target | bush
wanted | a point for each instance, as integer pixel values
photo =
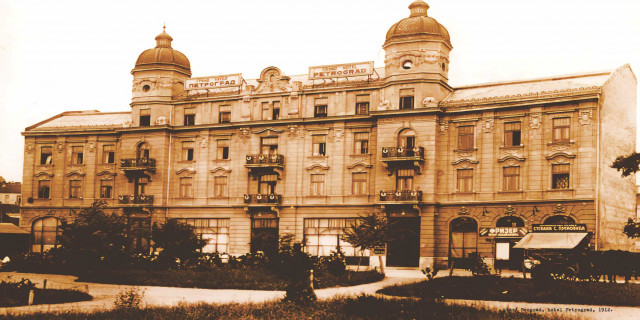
(430, 274)
(180, 245)
(129, 299)
(477, 266)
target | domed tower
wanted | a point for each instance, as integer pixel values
(158, 75)
(417, 57)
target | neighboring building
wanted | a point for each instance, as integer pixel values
(247, 160)
(10, 193)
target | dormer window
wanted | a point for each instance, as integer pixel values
(189, 116)
(362, 104)
(320, 110)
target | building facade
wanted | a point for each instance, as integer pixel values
(247, 160)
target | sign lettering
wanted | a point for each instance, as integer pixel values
(223, 81)
(503, 232)
(341, 70)
(559, 228)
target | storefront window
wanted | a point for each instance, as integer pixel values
(45, 231)
(215, 231)
(323, 236)
(509, 222)
(463, 237)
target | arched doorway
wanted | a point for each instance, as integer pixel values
(506, 257)
(45, 232)
(142, 151)
(463, 239)
(406, 141)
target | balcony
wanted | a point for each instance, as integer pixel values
(401, 196)
(265, 200)
(264, 161)
(402, 154)
(144, 164)
(132, 199)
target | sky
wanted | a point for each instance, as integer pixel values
(64, 55)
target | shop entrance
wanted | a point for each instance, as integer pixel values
(403, 249)
(264, 235)
(507, 257)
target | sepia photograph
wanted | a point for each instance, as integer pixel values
(362, 159)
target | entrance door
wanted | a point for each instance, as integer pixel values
(264, 235)
(508, 258)
(403, 249)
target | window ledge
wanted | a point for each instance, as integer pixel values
(510, 191)
(465, 150)
(218, 198)
(186, 161)
(217, 160)
(108, 164)
(318, 157)
(316, 196)
(564, 143)
(465, 192)
(560, 190)
(512, 147)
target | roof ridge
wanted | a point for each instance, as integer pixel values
(551, 78)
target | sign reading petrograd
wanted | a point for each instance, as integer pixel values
(559, 228)
(341, 70)
(228, 80)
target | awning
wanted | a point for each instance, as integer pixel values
(11, 228)
(544, 240)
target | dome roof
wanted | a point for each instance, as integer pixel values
(163, 57)
(417, 26)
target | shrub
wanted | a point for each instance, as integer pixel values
(128, 299)
(477, 266)
(180, 245)
(430, 274)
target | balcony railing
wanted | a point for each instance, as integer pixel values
(401, 195)
(400, 153)
(140, 163)
(266, 199)
(265, 160)
(132, 199)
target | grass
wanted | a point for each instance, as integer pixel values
(249, 278)
(42, 296)
(526, 290)
(363, 307)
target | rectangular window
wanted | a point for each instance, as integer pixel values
(220, 186)
(317, 184)
(46, 155)
(187, 150)
(404, 179)
(189, 116)
(106, 188)
(361, 143)
(319, 145)
(275, 112)
(215, 231)
(77, 155)
(561, 128)
(512, 134)
(145, 117)
(44, 189)
(362, 104)
(511, 176)
(359, 182)
(266, 112)
(324, 235)
(320, 110)
(406, 99)
(186, 187)
(269, 145)
(75, 189)
(267, 183)
(560, 176)
(465, 180)
(109, 154)
(225, 114)
(465, 137)
(223, 149)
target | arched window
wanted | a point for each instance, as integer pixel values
(559, 219)
(142, 151)
(509, 222)
(407, 139)
(463, 237)
(45, 232)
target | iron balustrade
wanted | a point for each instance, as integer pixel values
(133, 199)
(400, 152)
(401, 195)
(265, 159)
(262, 198)
(138, 163)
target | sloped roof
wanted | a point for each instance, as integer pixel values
(85, 119)
(11, 187)
(535, 88)
(11, 228)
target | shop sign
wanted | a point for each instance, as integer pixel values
(223, 81)
(380, 251)
(559, 228)
(503, 232)
(341, 70)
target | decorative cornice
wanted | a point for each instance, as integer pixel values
(464, 160)
(223, 169)
(506, 158)
(534, 95)
(106, 172)
(187, 170)
(75, 173)
(42, 173)
(363, 164)
(561, 154)
(317, 165)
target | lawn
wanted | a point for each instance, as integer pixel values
(250, 278)
(526, 290)
(363, 307)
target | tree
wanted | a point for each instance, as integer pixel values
(628, 165)
(178, 240)
(369, 232)
(95, 239)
